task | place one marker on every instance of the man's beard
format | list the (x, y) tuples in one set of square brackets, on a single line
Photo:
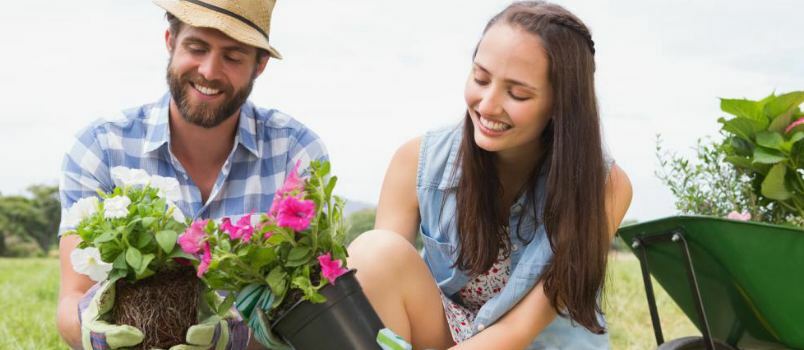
[(204, 114)]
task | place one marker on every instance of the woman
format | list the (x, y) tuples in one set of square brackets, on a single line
[(516, 206)]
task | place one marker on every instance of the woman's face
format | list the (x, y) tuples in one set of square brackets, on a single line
[(508, 93)]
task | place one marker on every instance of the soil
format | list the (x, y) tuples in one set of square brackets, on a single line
[(162, 306)]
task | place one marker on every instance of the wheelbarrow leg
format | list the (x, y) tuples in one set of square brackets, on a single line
[(678, 237), (654, 313)]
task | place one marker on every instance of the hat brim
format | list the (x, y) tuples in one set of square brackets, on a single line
[(199, 16)]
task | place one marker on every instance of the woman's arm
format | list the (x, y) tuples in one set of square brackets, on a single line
[(398, 209), (517, 328)]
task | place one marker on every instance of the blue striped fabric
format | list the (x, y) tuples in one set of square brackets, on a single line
[(267, 145)]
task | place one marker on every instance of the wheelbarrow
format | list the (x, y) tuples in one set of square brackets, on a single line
[(740, 283)]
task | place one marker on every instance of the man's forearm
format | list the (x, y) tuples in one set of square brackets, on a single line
[(67, 320)]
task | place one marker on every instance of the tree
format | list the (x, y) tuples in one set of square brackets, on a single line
[(359, 222), (30, 219)]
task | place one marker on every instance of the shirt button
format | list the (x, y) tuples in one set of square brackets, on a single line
[(480, 327), (514, 247)]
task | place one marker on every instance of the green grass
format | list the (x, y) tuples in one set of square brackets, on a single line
[(29, 291), (626, 308)]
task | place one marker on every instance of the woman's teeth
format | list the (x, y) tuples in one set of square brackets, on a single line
[(206, 90), (492, 125)]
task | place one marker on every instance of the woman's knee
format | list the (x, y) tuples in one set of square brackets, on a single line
[(381, 249)]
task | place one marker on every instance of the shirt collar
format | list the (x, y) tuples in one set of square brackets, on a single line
[(158, 126)]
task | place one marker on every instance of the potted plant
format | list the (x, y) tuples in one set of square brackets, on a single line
[(128, 238), (753, 173), (285, 268)]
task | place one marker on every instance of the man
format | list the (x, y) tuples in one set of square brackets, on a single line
[(228, 155)]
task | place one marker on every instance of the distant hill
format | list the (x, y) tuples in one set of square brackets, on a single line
[(354, 205)]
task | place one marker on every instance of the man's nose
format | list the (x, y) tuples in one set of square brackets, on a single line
[(210, 67)]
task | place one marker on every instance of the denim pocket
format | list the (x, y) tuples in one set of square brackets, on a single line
[(439, 258)]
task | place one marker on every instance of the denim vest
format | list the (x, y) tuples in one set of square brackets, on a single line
[(435, 185)]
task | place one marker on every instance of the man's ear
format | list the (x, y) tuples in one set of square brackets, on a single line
[(262, 62), (169, 41)]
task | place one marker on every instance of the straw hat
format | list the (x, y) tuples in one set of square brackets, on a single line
[(247, 21)]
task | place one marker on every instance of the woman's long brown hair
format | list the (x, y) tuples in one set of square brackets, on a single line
[(573, 214)]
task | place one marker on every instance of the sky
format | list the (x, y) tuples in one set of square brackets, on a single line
[(367, 75)]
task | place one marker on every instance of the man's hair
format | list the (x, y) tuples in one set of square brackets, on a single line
[(175, 26)]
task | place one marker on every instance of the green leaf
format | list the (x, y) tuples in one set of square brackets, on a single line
[(147, 222), (741, 147), (166, 240), (134, 258), (784, 104), (105, 237), (787, 146), (277, 281), (143, 239), (299, 256), (774, 186), (109, 251), (768, 156), (227, 303), (330, 186), (144, 274), (743, 127), (743, 108), (261, 256), (146, 259), (120, 262), (117, 274), (770, 139), (178, 253)]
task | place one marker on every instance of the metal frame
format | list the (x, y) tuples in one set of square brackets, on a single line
[(676, 236)]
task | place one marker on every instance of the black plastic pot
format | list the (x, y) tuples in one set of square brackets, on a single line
[(345, 321)]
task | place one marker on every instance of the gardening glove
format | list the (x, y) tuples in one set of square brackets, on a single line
[(213, 332), (253, 302), (96, 333), (388, 340)]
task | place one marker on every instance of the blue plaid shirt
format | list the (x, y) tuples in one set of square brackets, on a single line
[(267, 145)]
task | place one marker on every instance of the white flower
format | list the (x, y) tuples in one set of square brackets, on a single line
[(80, 210), (168, 187), (116, 207), (177, 214), (123, 176), (88, 262)]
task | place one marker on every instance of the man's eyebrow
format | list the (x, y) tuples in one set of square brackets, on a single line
[(193, 40), (509, 81)]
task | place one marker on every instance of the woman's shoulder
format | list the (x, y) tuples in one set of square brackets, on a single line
[(437, 156)]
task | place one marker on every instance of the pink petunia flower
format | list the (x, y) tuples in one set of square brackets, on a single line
[(293, 184), (793, 125), (226, 226), (244, 228), (295, 214), (205, 260), (190, 241), (744, 216), (331, 269)]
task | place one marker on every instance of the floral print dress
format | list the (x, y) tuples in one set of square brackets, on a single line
[(480, 289)]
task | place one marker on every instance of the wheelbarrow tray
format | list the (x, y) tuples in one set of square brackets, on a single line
[(750, 276)]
